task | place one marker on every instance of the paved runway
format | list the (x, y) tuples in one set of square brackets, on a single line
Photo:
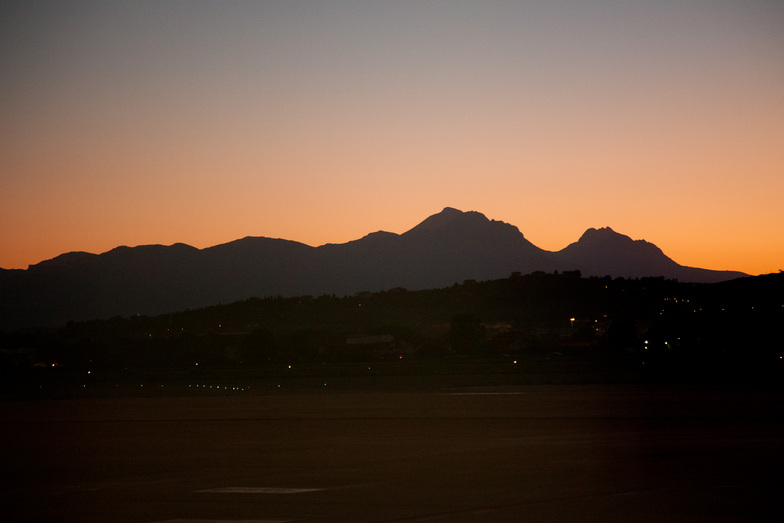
[(536, 453)]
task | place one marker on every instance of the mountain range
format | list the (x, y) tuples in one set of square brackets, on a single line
[(448, 247)]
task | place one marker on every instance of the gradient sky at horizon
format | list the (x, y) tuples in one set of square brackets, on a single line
[(128, 123)]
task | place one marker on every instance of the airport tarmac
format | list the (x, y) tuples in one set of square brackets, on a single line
[(526, 453)]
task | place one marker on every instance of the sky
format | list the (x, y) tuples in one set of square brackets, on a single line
[(201, 122)]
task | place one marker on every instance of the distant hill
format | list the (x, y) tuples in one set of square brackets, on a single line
[(605, 252), (448, 247)]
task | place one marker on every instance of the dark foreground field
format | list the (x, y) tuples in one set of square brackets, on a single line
[(521, 453)]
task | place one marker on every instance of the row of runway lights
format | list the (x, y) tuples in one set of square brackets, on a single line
[(202, 387), (218, 387)]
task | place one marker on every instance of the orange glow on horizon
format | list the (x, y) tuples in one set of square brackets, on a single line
[(324, 124)]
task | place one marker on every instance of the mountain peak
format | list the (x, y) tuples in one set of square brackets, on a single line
[(450, 210), (447, 217), (608, 240), (601, 234)]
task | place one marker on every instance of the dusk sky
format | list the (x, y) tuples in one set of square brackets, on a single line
[(129, 123)]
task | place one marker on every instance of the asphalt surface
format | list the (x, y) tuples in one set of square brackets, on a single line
[(530, 453)]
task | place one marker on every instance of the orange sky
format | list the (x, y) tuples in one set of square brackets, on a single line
[(129, 123)]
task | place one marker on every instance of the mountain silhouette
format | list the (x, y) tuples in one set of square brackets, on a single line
[(448, 247), (605, 252)]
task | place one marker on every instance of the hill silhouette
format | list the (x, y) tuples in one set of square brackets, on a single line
[(535, 328), (448, 247)]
